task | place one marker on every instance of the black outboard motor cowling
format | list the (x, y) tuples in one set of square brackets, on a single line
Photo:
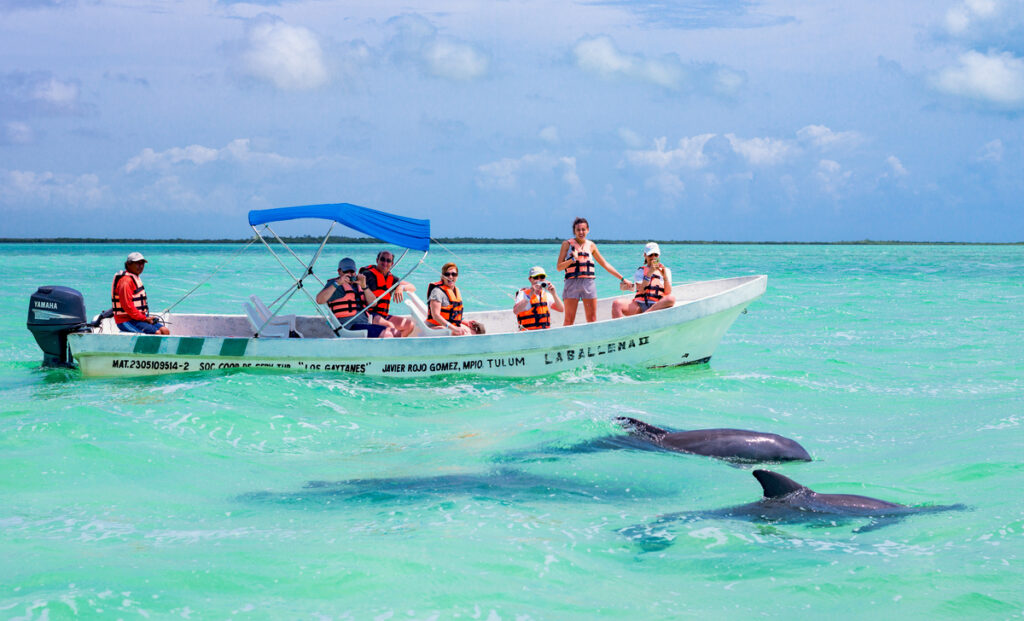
[(53, 313)]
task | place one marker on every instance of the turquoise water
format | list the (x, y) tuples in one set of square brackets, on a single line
[(258, 495)]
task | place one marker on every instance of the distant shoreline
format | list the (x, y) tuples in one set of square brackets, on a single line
[(490, 240)]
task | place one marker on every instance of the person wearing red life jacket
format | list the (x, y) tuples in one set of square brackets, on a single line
[(378, 280), (129, 302), (344, 296), (577, 257), (653, 284), (444, 302), (534, 303)]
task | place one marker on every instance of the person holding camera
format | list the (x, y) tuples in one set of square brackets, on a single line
[(533, 302), (344, 296), (653, 284)]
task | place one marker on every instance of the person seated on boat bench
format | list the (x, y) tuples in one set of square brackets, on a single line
[(344, 296), (444, 302), (128, 299), (378, 280), (533, 303), (653, 282)]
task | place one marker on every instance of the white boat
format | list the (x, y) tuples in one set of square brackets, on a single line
[(687, 333)]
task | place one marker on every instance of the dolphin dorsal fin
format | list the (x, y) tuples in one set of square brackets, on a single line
[(775, 485)]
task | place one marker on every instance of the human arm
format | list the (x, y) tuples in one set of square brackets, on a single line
[(522, 303), (600, 260), (125, 292), (556, 303), (402, 286), (666, 275), (562, 261), (328, 290)]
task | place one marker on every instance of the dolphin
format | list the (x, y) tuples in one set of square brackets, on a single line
[(786, 501), (730, 444)]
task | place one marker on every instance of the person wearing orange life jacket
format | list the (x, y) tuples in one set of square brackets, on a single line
[(129, 302), (344, 296), (577, 257), (533, 304), (378, 280), (444, 302), (653, 282)]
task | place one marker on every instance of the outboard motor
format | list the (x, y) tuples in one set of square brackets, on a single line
[(53, 313)]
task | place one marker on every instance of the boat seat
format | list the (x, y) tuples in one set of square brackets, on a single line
[(279, 326), (419, 313)]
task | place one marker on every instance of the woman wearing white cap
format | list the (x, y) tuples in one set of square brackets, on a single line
[(533, 302), (653, 282)]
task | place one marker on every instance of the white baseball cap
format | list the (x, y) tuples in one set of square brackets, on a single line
[(135, 257), (652, 248), (537, 271)]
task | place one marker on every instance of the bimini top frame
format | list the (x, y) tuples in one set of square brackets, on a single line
[(409, 233)]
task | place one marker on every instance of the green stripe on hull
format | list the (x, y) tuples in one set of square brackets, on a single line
[(147, 344), (190, 346), (234, 347)]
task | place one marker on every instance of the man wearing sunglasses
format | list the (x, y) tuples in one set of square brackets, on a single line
[(344, 296), (378, 280), (533, 303)]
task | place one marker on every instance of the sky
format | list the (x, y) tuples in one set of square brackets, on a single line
[(732, 120)]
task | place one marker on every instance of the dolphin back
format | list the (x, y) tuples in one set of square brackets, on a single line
[(642, 429)]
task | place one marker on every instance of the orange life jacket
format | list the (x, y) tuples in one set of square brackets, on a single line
[(584, 265), (655, 287), (537, 317), (383, 305), (138, 298), (347, 300), (452, 313)]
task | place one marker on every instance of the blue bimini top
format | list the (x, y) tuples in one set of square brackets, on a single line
[(399, 230)]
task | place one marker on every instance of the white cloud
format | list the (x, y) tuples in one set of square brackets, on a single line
[(418, 43), (453, 60), (762, 151), (49, 187), (991, 152), (39, 92), (16, 132), (987, 24), (505, 174), (824, 138), (689, 154), (666, 183), (996, 78), (287, 56), (599, 55), (896, 166), (832, 176), (237, 151), (549, 134), (631, 138)]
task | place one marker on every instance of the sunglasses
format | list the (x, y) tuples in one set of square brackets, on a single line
[(654, 254), (385, 260), (349, 272), (451, 274), (541, 277)]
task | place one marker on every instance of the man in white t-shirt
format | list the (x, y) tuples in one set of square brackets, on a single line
[(533, 303)]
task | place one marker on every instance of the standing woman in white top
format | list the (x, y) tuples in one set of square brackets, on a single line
[(577, 257)]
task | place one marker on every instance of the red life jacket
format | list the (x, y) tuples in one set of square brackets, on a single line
[(347, 300), (452, 313), (537, 317), (584, 265), (138, 298), (655, 287), (383, 305)]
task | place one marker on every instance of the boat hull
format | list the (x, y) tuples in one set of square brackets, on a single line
[(688, 333)]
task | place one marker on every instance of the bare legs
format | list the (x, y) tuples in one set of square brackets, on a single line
[(589, 309)]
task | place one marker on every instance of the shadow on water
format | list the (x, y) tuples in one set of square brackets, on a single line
[(501, 485)]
